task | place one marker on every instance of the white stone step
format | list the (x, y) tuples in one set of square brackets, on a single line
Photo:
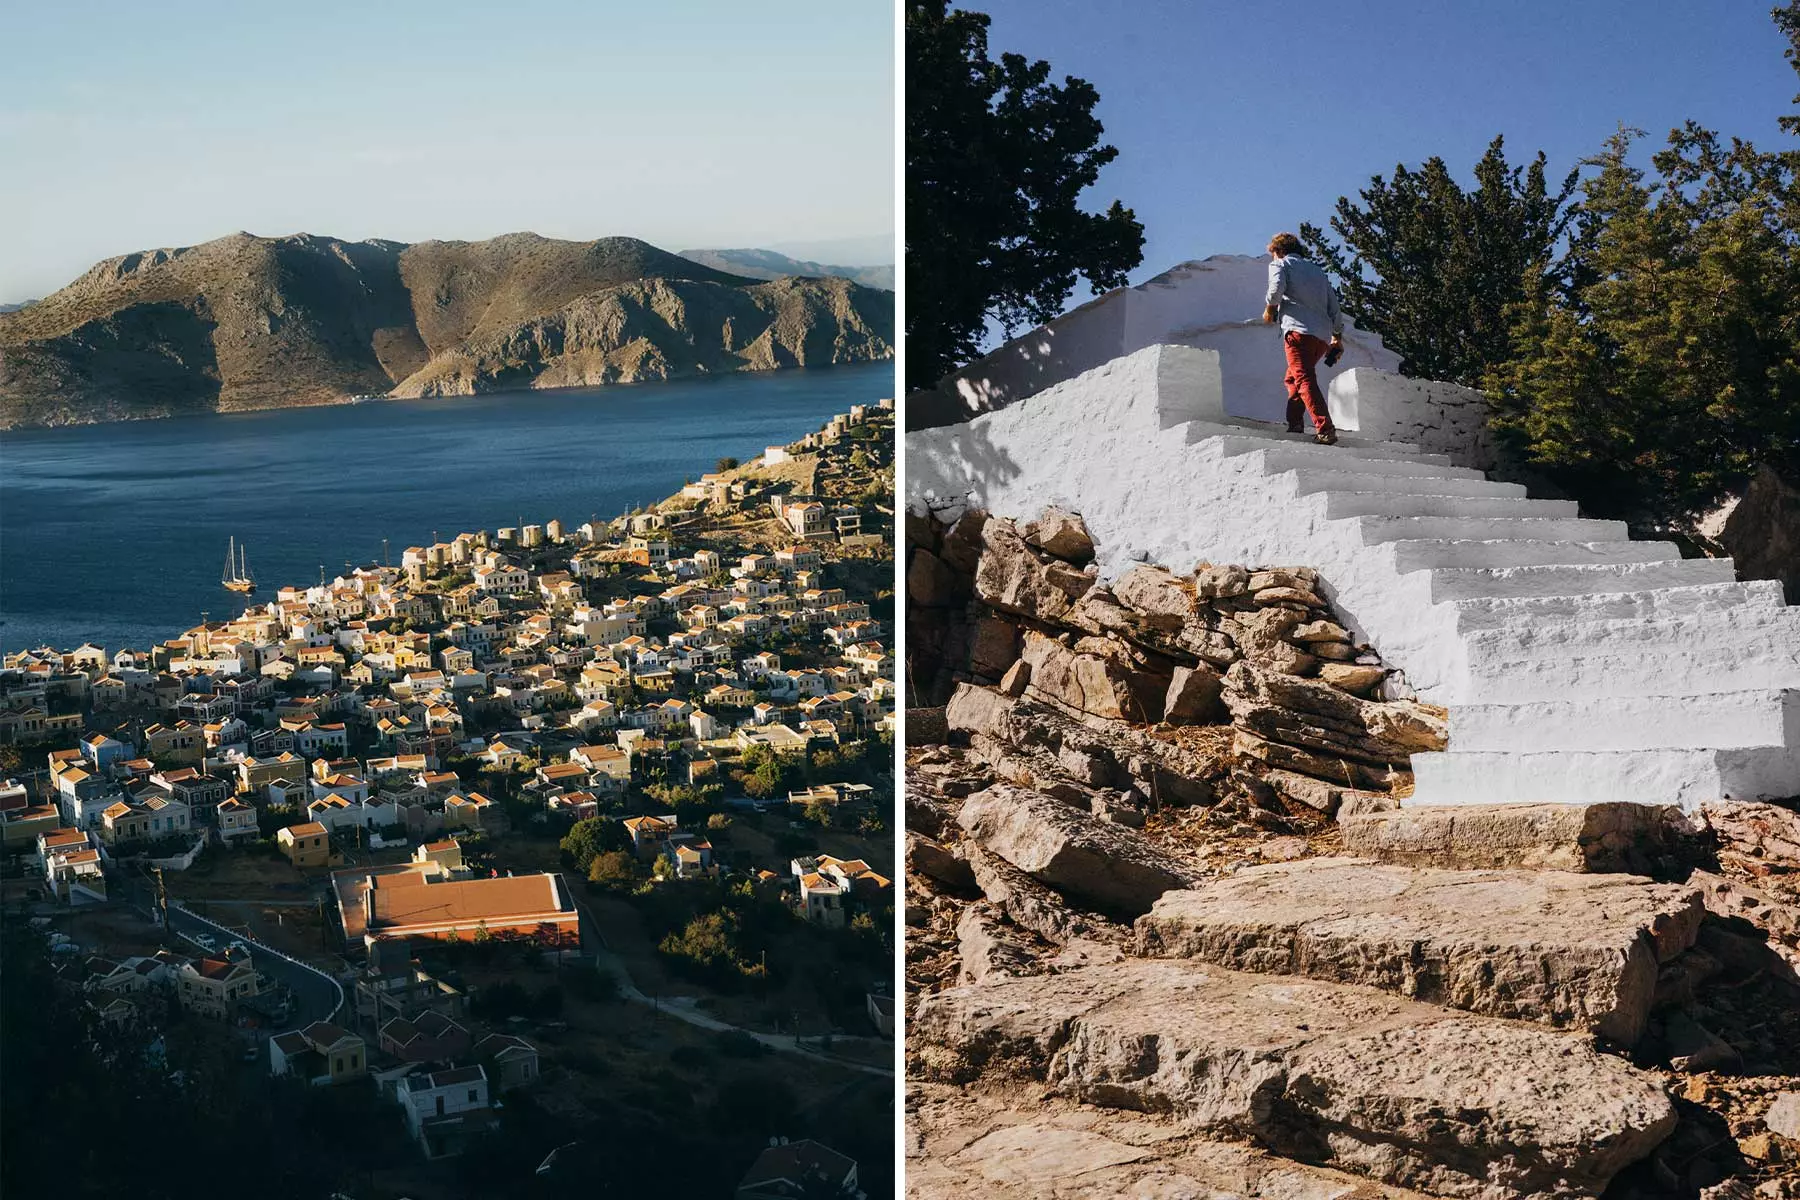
[(1376, 529), (1387, 504), (1575, 580), (1267, 434), (1718, 720), (1662, 672), (1307, 480), (1310, 451), (1422, 553), (1504, 612), (1274, 459), (1761, 628), (1684, 777)]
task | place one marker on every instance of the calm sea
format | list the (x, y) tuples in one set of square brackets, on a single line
[(116, 533)]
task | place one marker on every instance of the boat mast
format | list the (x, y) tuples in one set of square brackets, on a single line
[(230, 554)]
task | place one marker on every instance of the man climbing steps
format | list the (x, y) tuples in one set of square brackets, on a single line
[(1302, 298)]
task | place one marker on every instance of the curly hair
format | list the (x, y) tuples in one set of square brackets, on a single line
[(1285, 244)]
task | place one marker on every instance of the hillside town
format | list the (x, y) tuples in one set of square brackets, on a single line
[(366, 829)]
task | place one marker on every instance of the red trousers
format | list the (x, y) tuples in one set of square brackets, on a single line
[(1303, 354)]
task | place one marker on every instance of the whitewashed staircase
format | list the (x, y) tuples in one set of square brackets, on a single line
[(1577, 665)]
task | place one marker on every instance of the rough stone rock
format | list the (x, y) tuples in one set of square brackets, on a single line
[(934, 860), (1354, 678), (926, 727), (1334, 769), (1759, 839), (1010, 578), (974, 709), (1317, 716), (1733, 898), (1783, 1118), (1097, 861), (1549, 946), (931, 583), (1258, 633), (1033, 905), (1061, 533), (1332, 651), (1016, 679), (1356, 803), (1545, 837), (1156, 595), (1285, 659), (1218, 583), (1301, 579), (1285, 595), (962, 1145), (1694, 1047), (1193, 696), (989, 949), (1320, 631), (963, 542), (1347, 1076), (1314, 793), (1762, 535), (993, 647), (1086, 684), (1208, 645)]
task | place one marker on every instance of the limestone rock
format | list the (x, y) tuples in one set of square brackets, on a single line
[(1565, 949), (1086, 684), (1314, 793), (1061, 533), (1268, 597), (989, 949), (930, 583), (978, 710), (1320, 631), (1760, 839), (1350, 1076), (934, 860), (1783, 1118), (1102, 863), (963, 1145), (1193, 696), (963, 542), (1016, 679), (926, 727), (1156, 595), (1320, 719), (1354, 678), (1543, 837), (1216, 583), (1300, 579), (1010, 578), (1033, 905), (993, 647), (1332, 651)]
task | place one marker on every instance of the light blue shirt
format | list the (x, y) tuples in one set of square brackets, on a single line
[(1302, 296)]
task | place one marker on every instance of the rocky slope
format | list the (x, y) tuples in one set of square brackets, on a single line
[(769, 264), (248, 322), (1170, 931)]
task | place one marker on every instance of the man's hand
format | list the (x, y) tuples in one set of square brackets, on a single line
[(1269, 315)]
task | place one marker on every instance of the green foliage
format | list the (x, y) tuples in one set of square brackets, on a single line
[(592, 836), (765, 774), (727, 463), (1671, 370), (614, 870), (710, 947), (1435, 270), (997, 157)]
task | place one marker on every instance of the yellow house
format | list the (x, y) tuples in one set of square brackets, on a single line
[(213, 986), (307, 845), (322, 1053)]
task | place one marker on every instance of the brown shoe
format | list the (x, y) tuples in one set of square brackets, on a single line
[(1325, 439)]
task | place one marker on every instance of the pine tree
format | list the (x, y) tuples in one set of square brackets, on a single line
[(1435, 269)]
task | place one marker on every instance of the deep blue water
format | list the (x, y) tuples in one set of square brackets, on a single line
[(116, 533)]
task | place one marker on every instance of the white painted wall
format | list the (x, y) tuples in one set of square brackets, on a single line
[(1213, 304)]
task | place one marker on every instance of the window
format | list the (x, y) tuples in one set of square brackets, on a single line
[(471, 1095)]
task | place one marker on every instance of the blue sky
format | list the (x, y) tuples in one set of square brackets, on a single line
[(1234, 121), (127, 125)]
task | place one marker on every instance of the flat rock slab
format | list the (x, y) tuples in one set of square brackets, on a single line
[(1566, 949), (1445, 1102), (1544, 837), (1037, 1148), (1067, 847)]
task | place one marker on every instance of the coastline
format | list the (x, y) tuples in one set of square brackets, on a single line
[(689, 375)]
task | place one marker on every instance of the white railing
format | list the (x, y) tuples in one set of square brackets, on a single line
[(268, 949)]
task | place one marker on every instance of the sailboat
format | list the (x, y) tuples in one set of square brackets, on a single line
[(236, 576)]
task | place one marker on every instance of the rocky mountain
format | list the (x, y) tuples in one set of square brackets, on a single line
[(6, 308), (248, 322), (770, 264)]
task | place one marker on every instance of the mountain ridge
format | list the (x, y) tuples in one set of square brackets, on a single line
[(772, 264), (246, 322)]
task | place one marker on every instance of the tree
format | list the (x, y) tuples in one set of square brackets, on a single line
[(725, 464), (613, 870), (1436, 270), (592, 836), (996, 160)]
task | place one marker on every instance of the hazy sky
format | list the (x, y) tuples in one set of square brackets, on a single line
[(1235, 121), (127, 125)]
